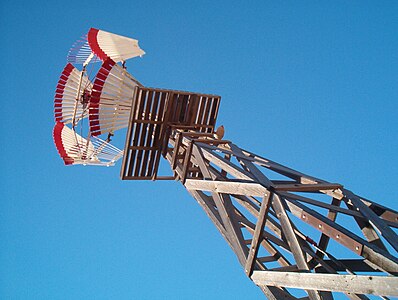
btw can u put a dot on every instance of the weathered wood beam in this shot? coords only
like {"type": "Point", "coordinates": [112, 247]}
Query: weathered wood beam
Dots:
{"type": "Point", "coordinates": [297, 251]}
{"type": "Point", "coordinates": [227, 187]}
{"type": "Point", "coordinates": [225, 209]}
{"type": "Point", "coordinates": [358, 284]}
{"type": "Point", "coordinates": [384, 229]}
{"type": "Point", "coordinates": [226, 165]}
{"type": "Point", "coordinates": [354, 265]}
{"type": "Point", "coordinates": [331, 207]}
{"type": "Point", "coordinates": [286, 171]}
{"type": "Point", "coordinates": [212, 213]}
{"type": "Point", "coordinates": [367, 229]}
{"type": "Point", "coordinates": [307, 187]}
{"type": "Point", "coordinates": [324, 239]}
{"type": "Point", "coordinates": [343, 236]}
{"type": "Point", "coordinates": [257, 235]}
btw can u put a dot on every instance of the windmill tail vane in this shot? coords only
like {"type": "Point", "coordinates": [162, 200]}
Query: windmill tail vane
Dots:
{"type": "Point", "coordinates": [292, 233]}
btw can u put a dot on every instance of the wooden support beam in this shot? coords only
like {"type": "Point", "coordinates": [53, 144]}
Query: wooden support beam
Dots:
{"type": "Point", "coordinates": [226, 210]}
{"type": "Point", "coordinates": [251, 167]}
{"type": "Point", "coordinates": [378, 223]}
{"type": "Point", "coordinates": [212, 213]}
{"type": "Point", "coordinates": [383, 259]}
{"type": "Point", "coordinates": [292, 240]}
{"type": "Point", "coordinates": [334, 207]}
{"type": "Point", "coordinates": [257, 235]}
{"type": "Point", "coordinates": [367, 229]}
{"type": "Point", "coordinates": [354, 265]}
{"type": "Point", "coordinates": [324, 239]}
{"type": "Point", "coordinates": [372, 285]}
{"type": "Point", "coordinates": [224, 179]}
{"type": "Point", "coordinates": [226, 165]}
{"type": "Point", "coordinates": [274, 166]}
{"type": "Point", "coordinates": [176, 150]}
{"type": "Point", "coordinates": [383, 212]}
{"type": "Point", "coordinates": [227, 187]}
{"type": "Point", "coordinates": [298, 187]}
{"type": "Point", "coordinates": [186, 162]}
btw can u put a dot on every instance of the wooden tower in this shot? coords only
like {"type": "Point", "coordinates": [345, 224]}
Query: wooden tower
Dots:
{"type": "Point", "coordinates": [288, 230]}
{"type": "Point", "coordinates": [292, 233]}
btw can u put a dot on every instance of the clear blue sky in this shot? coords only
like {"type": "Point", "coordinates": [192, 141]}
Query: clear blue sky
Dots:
{"type": "Point", "coordinates": [310, 84]}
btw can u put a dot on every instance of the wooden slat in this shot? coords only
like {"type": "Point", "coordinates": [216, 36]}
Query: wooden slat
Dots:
{"type": "Point", "coordinates": [215, 113]}
{"type": "Point", "coordinates": [206, 112]}
{"type": "Point", "coordinates": [152, 117]}
{"type": "Point", "coordinates": [139, 109]}
{"type": "Point", "coordinates": [141, 148]}
{"type": "Point", "coordinates": [162, 138]}
{"type": "Point", "coordinates": [200, 110]}
{"type": "Point", "coordinates": [156, 141]}
{"type": "Point", "coordinates": [127, 152]}
{"type": "Point", "coordinates": [193, 108]}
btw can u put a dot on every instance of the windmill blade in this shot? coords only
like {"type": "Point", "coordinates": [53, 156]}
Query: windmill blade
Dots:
{"type": "Point", "coordinates": [109, 45]}
{"type": "Point", "coordinates": [74, 149]}
{"type": "Point", "coordinates": [111, 98]}
{"type": "Point", "coordinates": [72, 95]}
{"type": "Point", "coordinates": [80, 52]}
{"type": "Point", "coordinates": [105, 152]}
{"type": "Point", "coordinates": [102, 45]}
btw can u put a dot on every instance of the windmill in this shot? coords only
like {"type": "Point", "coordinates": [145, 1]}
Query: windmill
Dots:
{"type": "Point", "coordinates": [289, 230]}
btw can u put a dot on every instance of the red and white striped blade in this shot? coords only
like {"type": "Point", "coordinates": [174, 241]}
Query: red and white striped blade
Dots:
{"type": "Point", "coordinates": [72, 148]}
{"type": "Point", "coordinates": [67, 91]}
{"type": "Point", "coordinates": [75, 149]}
{"type": "Point", "coordinates": [111, 99]}
{"type": "Point", "coordinates": [109, 45]}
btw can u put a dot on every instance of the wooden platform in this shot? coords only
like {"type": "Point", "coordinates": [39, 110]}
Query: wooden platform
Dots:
{"type": "Point", "coordinates": [153, 113]}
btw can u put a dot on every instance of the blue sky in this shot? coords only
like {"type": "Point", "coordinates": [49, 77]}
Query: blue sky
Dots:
{"type": "Point", "coordinates": [309, 84]}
